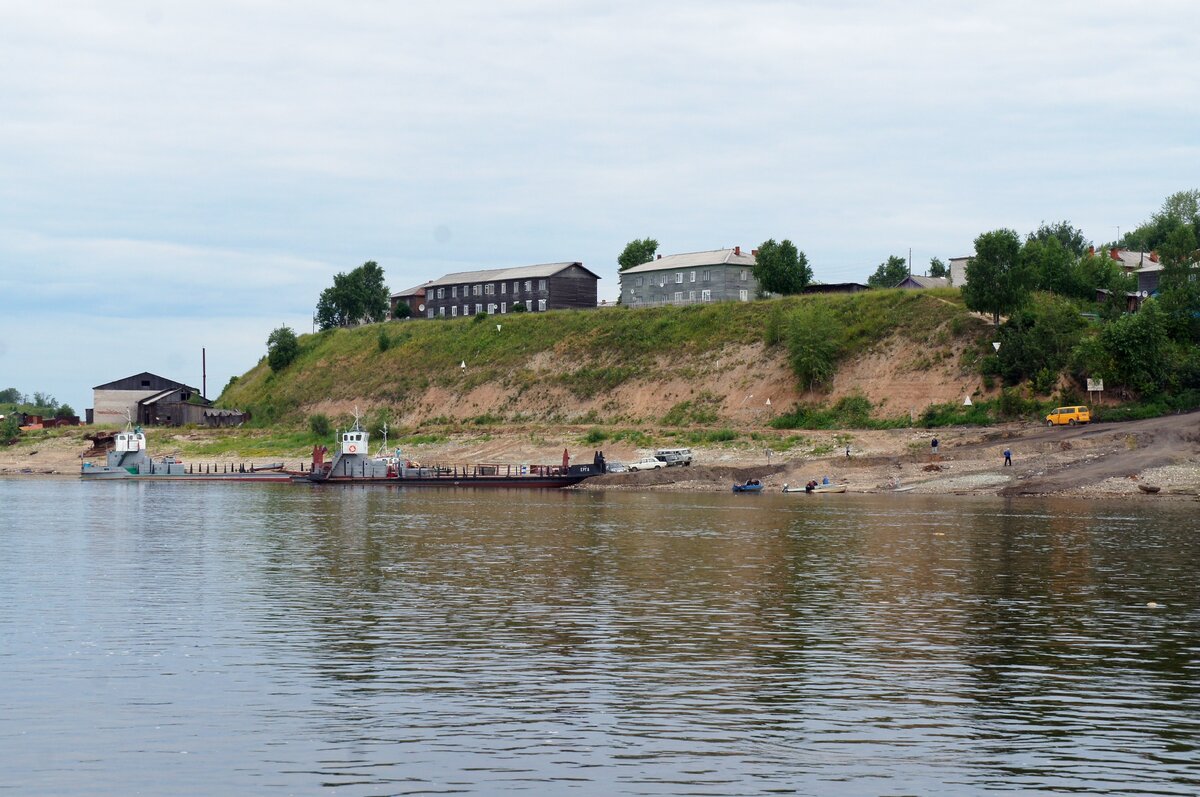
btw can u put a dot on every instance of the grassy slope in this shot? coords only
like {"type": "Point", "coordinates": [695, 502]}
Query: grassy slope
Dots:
{"type": "Point", "coordinates": [580, 352]}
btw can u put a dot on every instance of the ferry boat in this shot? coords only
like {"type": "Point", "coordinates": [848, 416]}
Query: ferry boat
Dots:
{"type": "Point", "coordinates": [128, 459]}
{"type": "Point", "coordinates": [354, 465]}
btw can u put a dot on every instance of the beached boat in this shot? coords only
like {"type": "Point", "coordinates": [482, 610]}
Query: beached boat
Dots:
{"type": "Point", "coordinates": [354, 465]}
{"type": "Point", "coordinates": [816, 488]}
{"type": "Point", "coordinates": [128, 459]}
{"type": "Point", "coordinates": [751, 486]}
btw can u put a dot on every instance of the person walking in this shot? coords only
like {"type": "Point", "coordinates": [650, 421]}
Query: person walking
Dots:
{"type": "Point", "coordinates": [1007, 457]}
{"type": "Point", "coordinates": [933, 444]}
{"type": "Point", "coordinates": [847, 451]}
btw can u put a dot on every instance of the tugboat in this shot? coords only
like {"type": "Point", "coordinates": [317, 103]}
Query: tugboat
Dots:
{"type": "Point", "coordinates": [128, 460]}
{"type": "Point", "coordinates": [354, 465]}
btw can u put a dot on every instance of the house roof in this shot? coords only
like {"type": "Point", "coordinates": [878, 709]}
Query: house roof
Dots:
{"type": "Point", "coordinates": [144, 375]}
{"type": "Point", "coordinates": [925, 282]}
{"type": "Point", "coordinates": [411, 291]}
{"type": "Point", "coordinates": [1132, 261]}
{"type": "Point", "coordinates": [712, 257]}
{"type": "Point", "coordinates": [500, 274]}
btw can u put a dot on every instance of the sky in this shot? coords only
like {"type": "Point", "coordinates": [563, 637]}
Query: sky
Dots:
{"type": "Point", "coordinates": [187, 176]}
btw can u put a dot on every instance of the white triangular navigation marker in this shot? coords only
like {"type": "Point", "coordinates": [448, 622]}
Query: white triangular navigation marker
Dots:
{"type": "Point", "coordinates": [768, 402]}
{"type": "Point", "coordinates": [967, 401]}
{"type": "Point", "coordinates": [996, 345]}
{"type": "Point", "coordinates": [463, 365]}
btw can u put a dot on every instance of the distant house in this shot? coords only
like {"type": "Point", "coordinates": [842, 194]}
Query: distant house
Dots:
{"type": "Point", "coordinates": [958, 270]}
{"type": "Point", "coordinates": [917, 281]}
{"type": "Point", "coordinates": [550, 286]}
{"type": "Point", "coordinates": [413, 297]}
{"type": "Point", "coordinates": [148, 399]}
{"type": "Point", "coordinates": [835, 287]}
{"type": "Point", "coordinates": [715, 275]}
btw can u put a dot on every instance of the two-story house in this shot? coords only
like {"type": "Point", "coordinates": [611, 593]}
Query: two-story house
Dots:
{"type": "Point", "coordinates": [717, 275]}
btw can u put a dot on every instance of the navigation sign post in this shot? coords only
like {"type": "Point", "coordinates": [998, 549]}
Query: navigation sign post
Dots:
{"type": "Point", "coordinates": [1095, 386]}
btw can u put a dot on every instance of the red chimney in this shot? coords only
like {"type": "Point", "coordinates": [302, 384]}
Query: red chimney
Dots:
{"type": "Point", "coordinates": [659, 257]}
{"type": "Point", "coordinates": [1115, 253]}
{"type": "Point", "coordinates": [737, 250]}
{"type": "Point", "coordinates": [754, 252]}
{"type": "Point", "coordinates": [1091, 250]}
{"type": "Point", "coordinates": [1154, 257]}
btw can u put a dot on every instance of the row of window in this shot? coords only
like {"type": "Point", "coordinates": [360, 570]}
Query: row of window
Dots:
{"type": "Point", "coordinates": [540, 306]}
{"type": "Point", "coordinates": [489, 289]}
{"type": "Point", "coordinates": [705, 296]}
{"type": "Point", "coordinates": [678, 277]}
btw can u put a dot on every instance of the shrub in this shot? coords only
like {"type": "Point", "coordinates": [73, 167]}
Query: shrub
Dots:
{"type": "Point", "coordinates": [813, 347]}
{"type": "Point", "coordinates": [319, 425]}
{"type": "Point", "coordinates": [282, 348]}
{"type": "Point", "coordinates": [594, 436]}
{"type": "Point", "coordinates": [385, 342]}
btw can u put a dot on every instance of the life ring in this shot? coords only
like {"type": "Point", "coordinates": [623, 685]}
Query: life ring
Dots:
{"type": "Point", "coordinates": [352, 449]}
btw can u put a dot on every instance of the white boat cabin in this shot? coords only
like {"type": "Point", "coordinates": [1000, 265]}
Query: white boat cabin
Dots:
{"type": "Point", "coordinates": [130, 441]}
{"type": "Point", "coordinates": [354, 442]}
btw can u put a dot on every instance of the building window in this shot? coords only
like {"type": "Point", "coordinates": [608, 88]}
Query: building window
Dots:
{"type": "Point", "coordinates": [541, 285]}
{"type": "Point", "coordinates": [542, 304]}
{"type": "Point", "coordinates": [662, 280]}
{"type": "Point", "coordinates": [466, 309]}
{"type": "Point", "coordinates": [691, 296]}
{"type": "Point", "coordinates": [478, 307]}
{"type": "Point", "coordinates": [503, 307]}
{"type": "Point", "coordinates": [441, 294]}
{"type": "Point", "coordinates": [491, 308]}
{"type": "Point", "coordinates": [679, 278]}
{"type": "Point", "coordinates": [678, 297]}
{"type": "Point", "coordinates": [475, 291]}
{"type": "Point", "coordinates": [441, 311]}
{"type": "Point", "coordinates": [692, 276]}
{"type": "Point", "coordinates": [504, 287]}
{"type": "Point", "coordinates": [706, 275]}
{"type": "Point", "coordinates": [487, 289]}
{"type": "Point", "coordinates": [744, 273]}
{"type": "Point", "coordinates": [453, 292]}
{"type": "Point", "coordinates": [528, 286]}
{"type": "Point", "coordinates": [637, 283]}
{"type": "Point", "coordinates": [454, 311]}
{"type": "Point", "coordinates": [706, 296]}
{"type": "Point", "coordinates": [744, 295]}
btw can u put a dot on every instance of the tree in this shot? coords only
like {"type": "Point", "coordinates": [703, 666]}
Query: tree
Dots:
{"type": "Point", "coordinates": [1038, 340]}
{"type": "Point", "coordinates": [781, 268]}
{"type": "Point", "coordinates": [1071, 237]}
{"type": "Point", "coordinates": [1180, 208]}
{"type": "Point", "coordinates": [813, 346]}
{"type": "Point", "coordinates": [637, 252]}
{"type": "Point", "coordinates": [518, 307]}
{"type": "Point", "coordinates": [996, 281]}
{"type": "Point", "coordinates": [1051, 266]}
{"type": "Point", "coordinates": [360, 296]}
{"type": "Point", "coordinates": [282, 348]}
{"type": "Point", "coordinates": [10, 395]}
{"type": "Point", "coordinates": [401, 310]}
{"type": "Point", "coordinates": [10, 429]}
{"type": "Point", "coordinates": [889, 274]}
{"type": "Point", "coordinates": [1137, 351]}
{"type": "Point", "coordinates": [937, 268]}
{"type": "Point", "coordinates": [64, 411]}
{"type": "Point", "coordinates": [1179, 285]}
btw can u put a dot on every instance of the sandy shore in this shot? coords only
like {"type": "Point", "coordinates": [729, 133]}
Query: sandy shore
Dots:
{"type": "Point", "coordinates": [1095, 460]}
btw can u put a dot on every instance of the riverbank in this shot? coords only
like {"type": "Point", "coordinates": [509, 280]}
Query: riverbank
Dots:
{"type": "Point", "coordinates": [1109, 460]}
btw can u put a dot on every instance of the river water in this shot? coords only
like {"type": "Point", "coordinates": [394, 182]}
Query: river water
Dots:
{"type": "Point", "coordinates": [180, 639]}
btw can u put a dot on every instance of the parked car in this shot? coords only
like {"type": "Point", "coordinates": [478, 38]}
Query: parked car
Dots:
{"type": "Point", "coordinates": [1064, 416]}
{"type": "Point", "coordinates": [674, 456]}
{"type": "Point", "coordinates": [648, 463]}
{"type": "Point", "coordinates": [617, 467]}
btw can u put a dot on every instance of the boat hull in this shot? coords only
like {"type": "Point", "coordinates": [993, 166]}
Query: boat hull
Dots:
{"type": "Point", "coordinates": [459, 480]}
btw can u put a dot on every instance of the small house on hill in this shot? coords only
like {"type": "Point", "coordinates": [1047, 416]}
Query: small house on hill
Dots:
{"type": "Point", "coordinates": [148, 399]}
{"type": "Point", "coordinates": [549, 286]}
{"type": "Point", "coordinates": [695, 277]}
{"type": "Point", "coordinates": [918, 281]}
{"type": "Point", "coordinates": [413, 297]}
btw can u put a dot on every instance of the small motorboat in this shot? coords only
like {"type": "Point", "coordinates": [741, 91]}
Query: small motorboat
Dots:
{"type": "Point", "coordinates": [829, 488]}
{"type": "Point", "coordinates": [816, 487]}
{"type": "Point", "coordinates": [751, 486]}
{"type": "Point", "coordinates": [1150, 489]}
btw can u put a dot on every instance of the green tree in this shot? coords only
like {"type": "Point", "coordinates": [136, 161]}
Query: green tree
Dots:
{"type": "Point", "coordinates": [282, 348]}
{"type": "Point", "coordinates": [360, 296]}
{"type": "Point", "coordinates": [636, 252]}
{"type": "Point", "coordinates": [996, 281]}
{"type": "Point", "coordinates": [937, 268]}
{"type": "Point", "coordinates": [1038, 339]}
{"type": "Point", "coordinates": [64, 411]}
{"type": "Point", "coordinates": [1179, 284]}
{"type": "Point", "coordinates": [813, 345]}
{"type": "Point", "coordinates": [10, 429]}
{"type": "Point", "coordinates": [781, 268]}
{"type": "Point", "coordinates": [10, 395]}
{"type": "Point", "coordinates": [890, 273]}
{"type": "Point", "coordinates": [1180, 208]}
{"type": "Point", "coordinates": [401, 310]}
{"type": "Point", "coordinates": [1070, 236]}
{"type": "Point", "coordinates": [1052, 267]}
{"type": "Point", "coordinates": [1137, 351]}
{"type": "Point", "coordinates": [518, 307]}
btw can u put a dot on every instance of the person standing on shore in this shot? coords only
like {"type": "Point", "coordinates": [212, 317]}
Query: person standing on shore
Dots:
{"type": "Point", "coordinates": [1007, 457]}
{"type": "Point", "coordinates": [933, 444]}
{"type": "Point", "coordinates": [847, 451]}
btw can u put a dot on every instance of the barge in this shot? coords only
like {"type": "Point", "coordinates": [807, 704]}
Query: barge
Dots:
{"type": "Point", "coordinates": [128, 459]}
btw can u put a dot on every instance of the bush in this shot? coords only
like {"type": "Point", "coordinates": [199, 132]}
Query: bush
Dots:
{"type": "Point", "coordinates": [385, 342]}
{"type": "Point", "coordinates": [813, 347]}
{"type": "Point", "coordinates": [594, 436]}
{"type": "Point", "coordinates": [282, 348]}
{"type": "Point", "coordinates": [319, 425]}
{"type": "Point", "coordinates": [10, 429]}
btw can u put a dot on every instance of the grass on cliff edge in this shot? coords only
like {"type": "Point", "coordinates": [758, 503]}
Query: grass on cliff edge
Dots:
{"type": "Point", "coordinates": [583, 351]}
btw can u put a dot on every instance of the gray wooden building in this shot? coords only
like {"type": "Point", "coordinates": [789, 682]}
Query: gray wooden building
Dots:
{"type": "Point", "coordinates": [135, 395]}
{"type": "Point", "coordinates": [550, 286]}
{"type": "Point", "coordinates": [717, 275]}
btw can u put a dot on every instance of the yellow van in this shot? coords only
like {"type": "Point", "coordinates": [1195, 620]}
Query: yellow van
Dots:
{"type": "Point", "coordinates": [1063, 416]}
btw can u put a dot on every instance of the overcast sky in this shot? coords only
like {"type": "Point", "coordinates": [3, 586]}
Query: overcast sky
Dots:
{"type": "Point", "coordinates": [179, 175]}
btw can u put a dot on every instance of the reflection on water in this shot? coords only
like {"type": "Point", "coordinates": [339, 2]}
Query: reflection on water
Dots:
{"type": "Point", "coordinates": [184, 639]}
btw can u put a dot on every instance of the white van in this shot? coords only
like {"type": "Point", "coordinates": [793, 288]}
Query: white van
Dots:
{"type": "Point", "coordinates": [674, 456]}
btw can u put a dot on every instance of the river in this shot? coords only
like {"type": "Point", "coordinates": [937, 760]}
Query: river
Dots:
{"type": "Point", "coordinates": [180, 639]}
